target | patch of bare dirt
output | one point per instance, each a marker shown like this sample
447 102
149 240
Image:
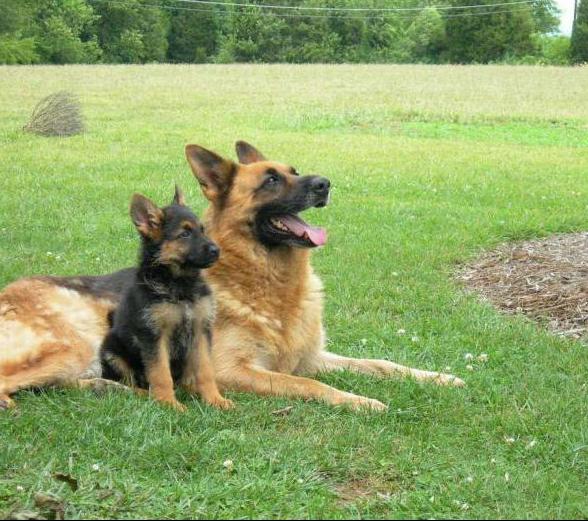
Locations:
545 279
365 489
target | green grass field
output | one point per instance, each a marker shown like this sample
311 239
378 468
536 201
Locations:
430 165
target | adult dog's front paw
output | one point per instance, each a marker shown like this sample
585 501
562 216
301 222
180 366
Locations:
438 378
6 403
449 379
361 403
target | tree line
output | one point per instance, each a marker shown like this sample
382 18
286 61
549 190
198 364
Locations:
145 31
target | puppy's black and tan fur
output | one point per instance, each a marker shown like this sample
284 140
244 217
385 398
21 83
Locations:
161 330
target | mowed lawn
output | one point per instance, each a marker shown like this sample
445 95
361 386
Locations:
430 166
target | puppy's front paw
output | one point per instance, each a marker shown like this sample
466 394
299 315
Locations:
221 403
174 404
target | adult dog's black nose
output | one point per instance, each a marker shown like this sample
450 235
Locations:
320 185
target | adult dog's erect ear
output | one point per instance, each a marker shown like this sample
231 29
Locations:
214 173
248 153
146 216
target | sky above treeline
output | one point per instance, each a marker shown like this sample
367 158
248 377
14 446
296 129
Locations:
567 15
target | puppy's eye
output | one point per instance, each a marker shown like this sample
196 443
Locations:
185 234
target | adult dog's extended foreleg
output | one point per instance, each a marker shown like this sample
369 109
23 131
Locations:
261 381
325 361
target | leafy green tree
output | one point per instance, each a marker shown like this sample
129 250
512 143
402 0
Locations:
129 47
132 31
579 43
346 36
323 50
385 40
17 16
193 36
139 31
492 37
545 15
251 35
17 44
553 49
64 32
427 36
16 50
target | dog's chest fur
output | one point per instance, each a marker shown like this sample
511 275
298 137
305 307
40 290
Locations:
181 320
275 320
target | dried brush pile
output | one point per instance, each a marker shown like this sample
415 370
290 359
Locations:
58 114
544 279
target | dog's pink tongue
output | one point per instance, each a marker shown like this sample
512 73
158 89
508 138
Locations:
318 236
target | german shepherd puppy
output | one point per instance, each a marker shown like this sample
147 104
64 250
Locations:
161 330
268 331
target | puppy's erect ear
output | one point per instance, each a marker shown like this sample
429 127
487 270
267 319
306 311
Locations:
214 173
146 216
248 153
179 197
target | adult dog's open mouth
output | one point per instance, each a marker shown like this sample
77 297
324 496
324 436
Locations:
297 228
278 223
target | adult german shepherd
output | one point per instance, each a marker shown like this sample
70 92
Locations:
268 331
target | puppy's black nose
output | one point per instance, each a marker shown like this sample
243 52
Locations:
213 251
320 185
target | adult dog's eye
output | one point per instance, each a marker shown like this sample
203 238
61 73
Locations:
185 234
272 179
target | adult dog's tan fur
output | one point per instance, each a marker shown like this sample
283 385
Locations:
268 332
49 334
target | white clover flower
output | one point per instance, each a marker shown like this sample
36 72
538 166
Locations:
483 357
401 332
468 356
461 504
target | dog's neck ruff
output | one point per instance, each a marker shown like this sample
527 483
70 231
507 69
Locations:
163 284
